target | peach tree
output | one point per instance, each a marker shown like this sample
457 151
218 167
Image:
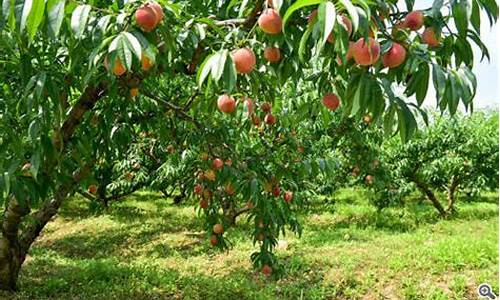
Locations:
77 76
453 154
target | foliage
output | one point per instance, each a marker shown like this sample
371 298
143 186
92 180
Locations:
452 154
69 109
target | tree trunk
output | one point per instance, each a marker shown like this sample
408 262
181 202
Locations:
10 250
430 195
450 190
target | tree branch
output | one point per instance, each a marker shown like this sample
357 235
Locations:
85 103
179 110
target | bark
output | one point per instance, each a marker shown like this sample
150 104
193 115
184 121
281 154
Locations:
10 250
41 217
450 191
430 195
85 103
233 214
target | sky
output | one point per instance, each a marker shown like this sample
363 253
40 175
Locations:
487 72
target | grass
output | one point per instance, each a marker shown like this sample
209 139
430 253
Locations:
147 248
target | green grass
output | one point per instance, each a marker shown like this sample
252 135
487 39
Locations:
147 248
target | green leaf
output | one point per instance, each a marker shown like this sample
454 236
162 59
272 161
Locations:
460 17
297 5
55 16
35 17
475 18
229 75
423 83
133 44
353 13
79 20
303 41
389 120
218 65
7 6
439 79
326 18
123 51
204 69
22 10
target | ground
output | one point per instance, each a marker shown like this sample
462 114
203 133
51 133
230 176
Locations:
147 248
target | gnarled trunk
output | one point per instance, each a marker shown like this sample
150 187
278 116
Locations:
11 256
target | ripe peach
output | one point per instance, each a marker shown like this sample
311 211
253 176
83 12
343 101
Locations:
270 119
146 17
366 54
203 203
288 196
92 189
414 20
266 107
218 229
146 62
213 240
255 120
158 11
369 179
244 60
118 68
270 21
210 175
266 270
226 103
134 92
347 24
198 189
272 54
367 119
276 191
331 101
217 163
429 37
249 104
395 56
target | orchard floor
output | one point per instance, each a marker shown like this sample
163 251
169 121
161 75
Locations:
147 248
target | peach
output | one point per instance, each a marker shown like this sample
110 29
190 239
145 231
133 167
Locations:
244 60
158 11
395 56
218 229
146 17
331 101
249 104
272 54
270 21
366 54
270 119
146 62
414 20
226 104
118 67
429 37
